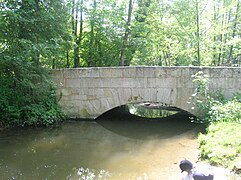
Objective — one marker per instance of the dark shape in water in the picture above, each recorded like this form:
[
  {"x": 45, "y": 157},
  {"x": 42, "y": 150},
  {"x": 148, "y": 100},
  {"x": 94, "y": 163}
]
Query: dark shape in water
[{"x": 123, "y": 123}]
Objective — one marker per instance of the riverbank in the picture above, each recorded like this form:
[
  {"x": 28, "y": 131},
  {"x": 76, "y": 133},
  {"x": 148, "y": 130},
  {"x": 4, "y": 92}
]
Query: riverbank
[
  {"x": 221, "y": 146},
  {"x": 190, "y": 149}
]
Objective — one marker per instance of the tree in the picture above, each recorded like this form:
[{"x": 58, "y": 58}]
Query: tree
[
  {"x": 127, "y": 33},
  {"x": 37, "y": 29},
  {"x": 223, "y": 32},
  {"x": 101, "y": 36},
  {"x": 183, "y": 32},
  {"x": 234, "y": 30},
  {"x": 77, "y": 28},
  {"x": 198, "y": 32},
  {"x": 32, "y": 32}
]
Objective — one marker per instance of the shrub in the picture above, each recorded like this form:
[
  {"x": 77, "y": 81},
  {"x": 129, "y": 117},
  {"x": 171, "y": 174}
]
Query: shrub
[
  {"x": 203, "y": 99},
  {"x": 213, "y": 106},
  {"x": 227, "y": 112},
  {"x": 27, "y": 96}
]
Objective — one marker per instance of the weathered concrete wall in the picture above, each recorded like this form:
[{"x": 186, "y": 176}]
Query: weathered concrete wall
[{"x": 89, "y": 92}]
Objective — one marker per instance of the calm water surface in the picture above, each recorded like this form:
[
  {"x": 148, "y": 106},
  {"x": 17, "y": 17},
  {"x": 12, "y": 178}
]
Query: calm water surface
[{"x": 126, "y": 148}]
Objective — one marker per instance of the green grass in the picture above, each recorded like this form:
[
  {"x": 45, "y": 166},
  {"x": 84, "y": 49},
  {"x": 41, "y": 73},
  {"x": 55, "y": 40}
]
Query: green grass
[{"x": 221, "y": 145}]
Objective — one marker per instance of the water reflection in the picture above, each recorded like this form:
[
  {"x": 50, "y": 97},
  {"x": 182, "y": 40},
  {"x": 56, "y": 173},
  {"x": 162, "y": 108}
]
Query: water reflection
[
  {"x": 126, "y": 124},
  {"x": 151, "y": 110},
  {"x": 127, "y": 149}
]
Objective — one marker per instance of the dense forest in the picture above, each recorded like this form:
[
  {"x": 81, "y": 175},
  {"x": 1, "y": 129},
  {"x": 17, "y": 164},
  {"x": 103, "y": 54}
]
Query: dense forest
[
  {"x": 36, "y": 35},
  {"x": 84, "y": 33}
]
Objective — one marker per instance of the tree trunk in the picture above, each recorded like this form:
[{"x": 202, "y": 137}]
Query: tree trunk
[
  {"x": 67, "y": 58},
  {"x": 79, "y": 9},
  {"x": 76, "y": 48},
  {"x": 127, "y": 32},
  {"x": 165, "y": 58},
  {"x": 198, "y": 33},
  {"x": 81, "y": 22},
  {"x": 92, "y": 36},
  {"x": 53, "y": 63},
  {"x": 221, "y": 41},
  {"x": 214, "y": 37},
  {"x": 234, "y": 31},
  {"x": 72, "y": 16}
]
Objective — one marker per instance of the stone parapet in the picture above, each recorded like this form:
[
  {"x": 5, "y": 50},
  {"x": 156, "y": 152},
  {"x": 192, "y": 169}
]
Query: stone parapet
[{"x": 89, "y": 92}]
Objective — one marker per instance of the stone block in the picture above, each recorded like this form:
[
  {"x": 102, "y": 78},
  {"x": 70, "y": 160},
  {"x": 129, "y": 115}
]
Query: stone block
[
  {"x": 88, "y": 72},
  {"x": 111, "y": 72},
  {"x": 221, "y": 73},
  {"x": 237, "y": 73},
  {"x": 88, "y": 92},
  {"x": 185, "y": 82},
  {"x": 149, "y": 72},
  {"x": 73, "y": 83},
  {"x": 139, "y": 73},
  {"x": 124, "y": 94},
  {"x": 149, "y": 82},
  {"x": 128, "y": 72},
  {"x": 167, "y": 95},
  {"x": 166, "y": 82}
]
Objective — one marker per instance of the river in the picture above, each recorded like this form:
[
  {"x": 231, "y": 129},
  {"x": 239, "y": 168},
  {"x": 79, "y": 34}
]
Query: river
[{"x": 115, "y": 146}]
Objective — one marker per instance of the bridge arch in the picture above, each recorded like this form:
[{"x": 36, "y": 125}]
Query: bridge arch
[{"x": 90, "y": 92}]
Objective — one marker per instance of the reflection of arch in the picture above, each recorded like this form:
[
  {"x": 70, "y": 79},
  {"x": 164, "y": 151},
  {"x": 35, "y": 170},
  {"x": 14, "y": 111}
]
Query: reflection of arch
[
  {"x": 148, "y": 106},
  {"x": 152, "y": 110},
  {"x": 121, "y": 122}
]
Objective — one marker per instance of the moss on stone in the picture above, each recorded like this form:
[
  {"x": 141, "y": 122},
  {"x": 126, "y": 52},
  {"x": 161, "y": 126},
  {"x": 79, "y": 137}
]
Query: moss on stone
[{"x": 84, "y": 113}]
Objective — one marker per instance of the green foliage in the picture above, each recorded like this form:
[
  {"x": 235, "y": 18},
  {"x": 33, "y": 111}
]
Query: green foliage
[
  {"x": 201, "y": 80},
  {"x": 214, "y": 107},
  {"x": 149, "y": 113},
  {"x": 32, "y": 32},
  {"x": 162, "y": 33},
  {"x": 202, "y": 97},
  {"x": 227, "y": 112},
  {"x": 221, "y": 145},
  {"x": 36, "y": 31},
  {"x": 186, "y": 32},
  {"x": 102, "y": 36},
  {"x": 27, "y": 97},
  {"x": 238, "y": 96}
]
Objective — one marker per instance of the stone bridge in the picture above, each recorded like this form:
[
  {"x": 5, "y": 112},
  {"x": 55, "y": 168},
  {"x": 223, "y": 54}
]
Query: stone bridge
[{"x": 89, "y": 92}]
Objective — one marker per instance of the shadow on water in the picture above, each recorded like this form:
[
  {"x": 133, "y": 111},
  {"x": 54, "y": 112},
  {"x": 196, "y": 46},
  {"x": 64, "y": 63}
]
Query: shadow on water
[
  {"x": 125, "y": 145},
  {"x": 126, "y": 124}
]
